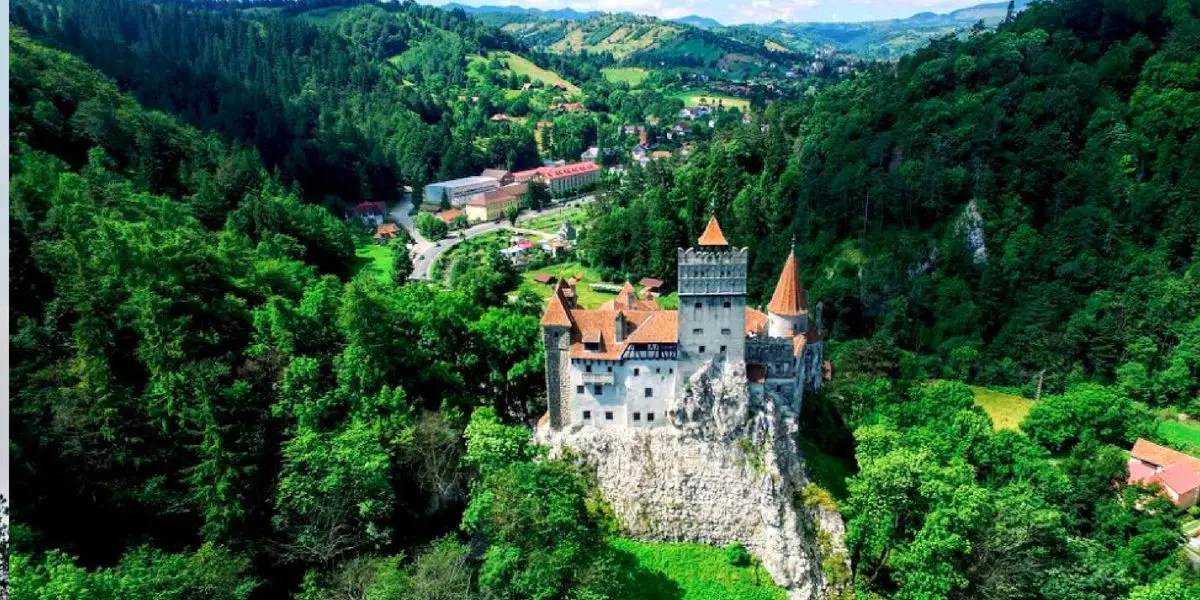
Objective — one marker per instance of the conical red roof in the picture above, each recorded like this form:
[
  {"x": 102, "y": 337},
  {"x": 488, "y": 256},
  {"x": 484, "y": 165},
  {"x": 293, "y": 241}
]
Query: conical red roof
[
  {"x": 556, "y": 310},
  {"x": 712, "y": 235},
  {"x": 788, "y": 300}
]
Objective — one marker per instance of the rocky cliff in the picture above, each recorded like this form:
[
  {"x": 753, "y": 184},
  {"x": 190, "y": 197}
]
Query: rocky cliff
[{"x": 727, "y": 469}]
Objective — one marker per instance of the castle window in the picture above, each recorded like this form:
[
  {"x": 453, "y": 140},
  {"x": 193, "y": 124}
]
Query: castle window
[
  {"x": 649, "y": 392},
  {"x": 671, "y": 370},
  {"x": 636, "y": 371},
  {"x": 700, "y": 350},
  {"x": 588, "y": 368},
  {"x": 696, "y": 310},
  {"x": 579, "y": 389},
  {"x": 722, "y": 349},
  {"x": 610, "y": 369},
  {"x": 697, "y": 332},
  {"x": 649, "y": 416},
  {"x": 726, "y": 305},
  {"x": 608, "y": 415},
  {"x": 597, "y": 390},
  {"x": 637, "y": 416},
  {"x": 587, "y": 415},
  {"x": 726, "y": 331},
  {"x": 658, "y": 369}
]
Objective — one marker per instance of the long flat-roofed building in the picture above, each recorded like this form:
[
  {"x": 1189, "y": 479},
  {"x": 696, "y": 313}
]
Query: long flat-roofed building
[{"x": 458, "y": 191}]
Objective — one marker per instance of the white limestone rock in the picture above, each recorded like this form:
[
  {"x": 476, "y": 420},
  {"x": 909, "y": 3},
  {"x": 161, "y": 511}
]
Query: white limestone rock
[{"x": 726, "y": 469}]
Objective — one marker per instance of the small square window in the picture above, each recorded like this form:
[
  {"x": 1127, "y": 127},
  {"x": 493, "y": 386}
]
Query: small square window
[
  {"x": 726, "y": 305},
  {"x": 637, "y": 416},
  {"x": 722, "y": 349},
  {"x": 649, "y": 392},
  {"x": 610, "y": 369},
  {"x": 587, "y": 415},
  {"x": 649, "y": 416},
  {"x": 671, "y": 371},
  {"x": 700, "y": 350},
  {"x": 658, "y": 369},
  {"x": 588, "y": 368},
  {"x": 608, "y": 415},
  {"x": 697, "y": 332},
  {"x": 726, "y": 331},
  {"x": 597, "y": 390},
  {"x": 579, "y": 389},
  {"x": 636, "y": 371}
]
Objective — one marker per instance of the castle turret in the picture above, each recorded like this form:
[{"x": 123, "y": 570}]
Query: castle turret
[
  {"x": 556, "y": 334},
  {"x": 787, "y": 314},
  {"x": 712, "y": 301}
]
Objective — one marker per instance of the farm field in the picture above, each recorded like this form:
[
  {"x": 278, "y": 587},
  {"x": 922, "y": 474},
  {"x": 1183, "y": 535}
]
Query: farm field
[
  {"x": 1180, "y": 434},
  {"x": 1006, "y": 410},
  {"x": 550, "y": 221},
  {"x": 634, "y": 76},
  {"x": 694, "y": 97},
  {"x": 695, "y": 572}
]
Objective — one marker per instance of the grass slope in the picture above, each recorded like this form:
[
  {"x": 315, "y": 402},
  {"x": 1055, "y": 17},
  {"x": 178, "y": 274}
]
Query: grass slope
[
  {"x": 1006, "y": 410},
  {"x": 522, "y": 66},
  {"x": 694, "y": 98},
  {"x": 634, "y": 76},
  {"x": 375, "y": 260},
  {"x": 1182, "y": 435},
  {"x": 696, "y": 572},
  {"x": 588, "y": 298}
]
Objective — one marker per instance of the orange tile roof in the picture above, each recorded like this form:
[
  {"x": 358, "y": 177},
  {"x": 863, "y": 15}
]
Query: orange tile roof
[
  {"x": 499, "y": 195},
  {"x": 712, "y": 235},
  {"x": 387, "y": 229},
  {"x": 448, "y": 215},
  {"x": 756, "y": 321},
  {"x": 1147, "y": 451},
  {"x": 798, "y": 342},
  {"x": 1180, "y": 478},
  {"x": 627, "y": 296},
  {"x": 556, "y": 310},
  {"x": 788, "y": 299},
  {"x": 662, "y": 327}
]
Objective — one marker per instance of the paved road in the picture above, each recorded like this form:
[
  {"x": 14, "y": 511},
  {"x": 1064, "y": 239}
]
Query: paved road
[{"x": 425, "y": 253}]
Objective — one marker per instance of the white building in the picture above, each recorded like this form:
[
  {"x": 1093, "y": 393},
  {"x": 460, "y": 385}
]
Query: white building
[
  {"x": 458, "y": 191},
  {"x": 621, "y": 364}
]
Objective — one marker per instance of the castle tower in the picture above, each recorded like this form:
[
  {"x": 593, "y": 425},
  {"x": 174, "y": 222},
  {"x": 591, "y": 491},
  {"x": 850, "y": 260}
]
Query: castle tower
[
  {"x": 556, "y": 334},
  {"x": 787, "y": 314},
  {"x": 712, "y": 301}
]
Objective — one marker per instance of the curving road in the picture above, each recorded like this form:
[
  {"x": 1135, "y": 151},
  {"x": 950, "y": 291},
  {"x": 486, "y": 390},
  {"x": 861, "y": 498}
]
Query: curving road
[{"x": 425, "y": 253}]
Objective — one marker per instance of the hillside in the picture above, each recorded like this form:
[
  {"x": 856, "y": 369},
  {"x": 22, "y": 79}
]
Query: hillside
[{"x": 888, "y": 39}]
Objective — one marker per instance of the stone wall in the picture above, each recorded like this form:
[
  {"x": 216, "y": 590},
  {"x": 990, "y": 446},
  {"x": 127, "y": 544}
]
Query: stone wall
[{"x": 727, "y": 469}]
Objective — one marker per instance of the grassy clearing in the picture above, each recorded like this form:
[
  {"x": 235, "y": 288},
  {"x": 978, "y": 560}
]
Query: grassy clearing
[
  {"x": 322, "y": 16},
  {"x": 634, "y": 76},
  {"x": 1006, "y": 410},
  {"x": 695, "y": 572},
  {"x": 375, "y": 260},
  {"x": 1183, "y": 435},
  {"x": 694, "y": 98},
  {"x": 522, "y": 66},
  {"x": 550, "y": 221},
  {"x": 827, "y": 470},
  {"x": 588, "y": 298}
]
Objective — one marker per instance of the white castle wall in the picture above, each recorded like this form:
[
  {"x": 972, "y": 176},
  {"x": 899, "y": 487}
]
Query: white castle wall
[{"x": 622, "y": 391}]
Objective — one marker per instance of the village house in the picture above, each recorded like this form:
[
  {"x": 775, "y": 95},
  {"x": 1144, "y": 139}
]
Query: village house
[
  {"x": 386, "y": 232},
  {"x": 1177, "y": 474},
  {"x": 620, "y": 365},
  {"x": 504, "y": 176},
  {"x": 370, "y": 213}
]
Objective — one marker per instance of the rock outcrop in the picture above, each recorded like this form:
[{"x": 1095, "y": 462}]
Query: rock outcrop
[{"x": 727, "y": 469}]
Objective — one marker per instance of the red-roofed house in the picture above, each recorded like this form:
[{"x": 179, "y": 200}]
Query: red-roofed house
[
  {"x": 1178, "y": 474},
  {"x": 446, "y": 216}
]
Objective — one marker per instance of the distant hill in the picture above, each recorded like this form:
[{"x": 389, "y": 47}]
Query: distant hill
[
  {"x": 698, "y": 21},
  {"x": 888, "y": 38},
  {"x": 563, "y": 14}
]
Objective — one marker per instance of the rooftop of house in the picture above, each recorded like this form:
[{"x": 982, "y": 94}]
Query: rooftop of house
[
  {"x": 496, "y": 174},
  {"x": 498, "y": 195},
  {"x": 1161, "y": 456},
  {"x": 446, "y": 216},
  {"x": 586, "y": 166}
]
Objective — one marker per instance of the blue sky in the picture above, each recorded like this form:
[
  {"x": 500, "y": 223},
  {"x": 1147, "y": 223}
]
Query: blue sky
[{"x": 749, "y": 11}]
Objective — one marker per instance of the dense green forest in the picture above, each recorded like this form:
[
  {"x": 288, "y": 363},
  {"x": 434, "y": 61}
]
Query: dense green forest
[{"x": 207, "y": 402}]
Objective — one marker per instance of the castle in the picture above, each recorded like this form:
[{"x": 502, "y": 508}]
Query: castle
[{"x": 620, "y": 365}]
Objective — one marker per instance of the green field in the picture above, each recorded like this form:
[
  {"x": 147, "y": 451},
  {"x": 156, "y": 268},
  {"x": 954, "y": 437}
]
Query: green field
[
  {"x": 1180, "y": 435},
  {"x": 1006, "y": 410},
  {"x": 634, "y": 76},
  {"x": 322, "y": 16},
  {"x": 694, "y": 572},
  {"x": 522, "y": 66},
  {"x": 375, "y": 260},
  {"x": 552, "y": 220},
  {"x": 693, "y": 98}
]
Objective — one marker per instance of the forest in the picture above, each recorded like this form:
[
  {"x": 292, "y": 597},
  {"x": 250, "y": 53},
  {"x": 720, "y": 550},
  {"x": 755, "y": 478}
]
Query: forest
[{"x": 208, "y": 402}]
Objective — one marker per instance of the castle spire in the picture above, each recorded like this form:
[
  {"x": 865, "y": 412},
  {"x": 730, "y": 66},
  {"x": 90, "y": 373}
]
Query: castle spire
[
  {"x": 556, "y": 314},
  {"x": 788, "y": 299},
  {"x": 712, "y": 235}
]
